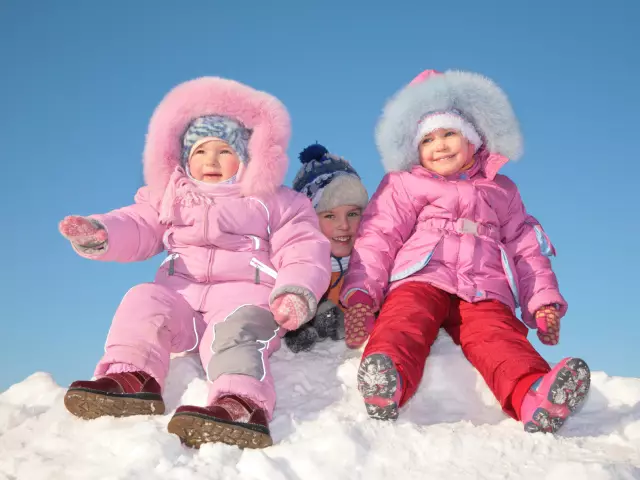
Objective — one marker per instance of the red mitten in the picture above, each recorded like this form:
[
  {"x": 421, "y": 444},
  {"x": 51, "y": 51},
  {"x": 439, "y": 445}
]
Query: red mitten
[
  {"x": 358, "y": 319},
  {"x": 548, "y": 323},
  {"x": 290, "y": 310},
  {"x": 83, "y": 232}
]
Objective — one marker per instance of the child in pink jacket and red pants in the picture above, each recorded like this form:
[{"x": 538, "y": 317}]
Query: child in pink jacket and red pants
[
  {"x": 244, "y": 265},
  {"x": 447, "y": 242}
]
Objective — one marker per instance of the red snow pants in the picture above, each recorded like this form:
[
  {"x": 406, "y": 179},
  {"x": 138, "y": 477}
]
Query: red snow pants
[{"x": 491, "y": 338}]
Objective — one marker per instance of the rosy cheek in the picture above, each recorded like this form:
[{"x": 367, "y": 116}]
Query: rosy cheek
[
  {"x": 325, "y": 228},
  {"x": 425, "y": 156},
  {"x": 231, "y": 167}
]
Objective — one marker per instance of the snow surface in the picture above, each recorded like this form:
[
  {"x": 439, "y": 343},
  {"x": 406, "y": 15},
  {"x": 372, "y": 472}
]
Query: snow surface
[{"x": 452, "y": 429}]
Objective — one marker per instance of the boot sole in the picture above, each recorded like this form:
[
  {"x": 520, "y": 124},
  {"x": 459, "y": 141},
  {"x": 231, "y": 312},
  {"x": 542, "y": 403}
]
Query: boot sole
[
  {"x": 377, "y": 383},
  {"x": 570, "y": 388},
  {"x": 194, "y": 430},
  {"x": 89, "y": 405}
]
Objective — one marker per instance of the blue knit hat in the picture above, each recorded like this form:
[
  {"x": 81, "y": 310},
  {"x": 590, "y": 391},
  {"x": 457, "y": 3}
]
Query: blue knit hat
[
  {"x": 328, "y": 180},
  {"x": 225, "y": 128}
]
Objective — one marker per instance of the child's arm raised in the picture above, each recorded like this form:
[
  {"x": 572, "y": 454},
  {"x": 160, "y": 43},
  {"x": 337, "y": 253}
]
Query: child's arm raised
[
  {"x": 301, "y": 255},
  {"x": 530, "y": 248},
  {"x": 386, "y": 225},
  {"x": 128, "y": 234}
]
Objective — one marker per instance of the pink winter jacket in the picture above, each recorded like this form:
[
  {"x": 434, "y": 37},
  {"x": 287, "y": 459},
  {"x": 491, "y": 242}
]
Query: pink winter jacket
[
  {"x": 250, "y": 231},
  {"x": 470, "y": 236}
]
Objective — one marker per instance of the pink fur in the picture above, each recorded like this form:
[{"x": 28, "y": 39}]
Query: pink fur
[{"x": 259, "y": 111}]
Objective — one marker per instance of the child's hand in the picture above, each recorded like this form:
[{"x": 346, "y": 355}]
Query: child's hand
[
  {"x": 548, "y": 322},
  {"x": 82, "y": 231},
  {"x": 358, "y": 319},
  {"x": 290, "y": 310}
]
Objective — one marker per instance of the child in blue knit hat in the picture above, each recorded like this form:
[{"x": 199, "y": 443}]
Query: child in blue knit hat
[{"x": 339, "y": 197}]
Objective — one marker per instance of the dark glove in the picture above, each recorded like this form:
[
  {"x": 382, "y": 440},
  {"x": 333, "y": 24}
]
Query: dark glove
[{"x": 328, "y": 323}]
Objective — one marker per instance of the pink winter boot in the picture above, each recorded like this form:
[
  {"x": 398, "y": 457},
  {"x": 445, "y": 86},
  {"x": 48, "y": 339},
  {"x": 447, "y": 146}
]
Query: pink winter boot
[{"x": 556, "y": 396}]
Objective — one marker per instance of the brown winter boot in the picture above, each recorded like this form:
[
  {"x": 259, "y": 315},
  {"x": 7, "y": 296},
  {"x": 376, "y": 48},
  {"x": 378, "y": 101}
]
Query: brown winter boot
[
  {"x": 231, "y": 419},
  {"x": 115, "y": 394}
]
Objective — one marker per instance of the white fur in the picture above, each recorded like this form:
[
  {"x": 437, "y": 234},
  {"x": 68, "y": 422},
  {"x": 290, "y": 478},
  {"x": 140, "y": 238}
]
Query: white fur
[{"x": 480, "y": 100}]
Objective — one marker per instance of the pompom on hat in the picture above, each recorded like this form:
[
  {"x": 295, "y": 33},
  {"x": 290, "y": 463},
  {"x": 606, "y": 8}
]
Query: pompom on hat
[{"x": 328, "y": 180}]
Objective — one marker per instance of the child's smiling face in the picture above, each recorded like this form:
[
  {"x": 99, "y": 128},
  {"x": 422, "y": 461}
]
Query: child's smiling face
[
  {"x": 445, "y": 151},
  {"x": 340, "y": 226}
]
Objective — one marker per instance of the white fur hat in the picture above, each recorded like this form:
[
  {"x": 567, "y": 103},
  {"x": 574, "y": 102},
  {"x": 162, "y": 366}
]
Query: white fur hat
[{"x": 469, "y": 96}]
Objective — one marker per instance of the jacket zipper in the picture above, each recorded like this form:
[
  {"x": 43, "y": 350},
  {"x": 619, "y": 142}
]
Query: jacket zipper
[
  {"x": 171, "y": 258},
  {"x": 206, "y": 232}
]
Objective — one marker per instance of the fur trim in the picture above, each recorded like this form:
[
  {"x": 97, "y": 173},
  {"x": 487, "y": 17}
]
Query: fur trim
[
  {"x": 479, "y": 99},
  {"x": 258, "y": 111},
  {"x": 344, "y": 189}
]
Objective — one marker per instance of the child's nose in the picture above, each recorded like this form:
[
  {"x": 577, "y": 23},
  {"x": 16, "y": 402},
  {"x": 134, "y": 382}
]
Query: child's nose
[{"x": 441, "y": 144}]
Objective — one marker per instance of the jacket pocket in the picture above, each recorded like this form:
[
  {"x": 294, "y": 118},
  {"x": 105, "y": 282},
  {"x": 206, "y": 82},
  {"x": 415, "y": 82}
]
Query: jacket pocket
[
  {"x": 261, "y": 267},
  {"x": 416, "y": 267},
  {"x": 510, "y": 273},
  {"x": 170, "y": 259}
]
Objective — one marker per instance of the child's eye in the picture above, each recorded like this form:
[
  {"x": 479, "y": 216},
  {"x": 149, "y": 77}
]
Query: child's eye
[
  {"x": 450, "y": 133},
  {"x": 330, "y": 216},
  {"x": 354, "y": 214},
  {"x": 225, "y": 151},
  {"x": 426, "y": 140}
]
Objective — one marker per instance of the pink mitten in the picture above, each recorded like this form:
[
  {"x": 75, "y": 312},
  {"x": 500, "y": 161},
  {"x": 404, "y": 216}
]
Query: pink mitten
[
  {"x": 358, "y": 319},
  {"x": 83, "y": 232},
  {"x": 290, "y": 310},
  {"x": 548, "y": 322}
]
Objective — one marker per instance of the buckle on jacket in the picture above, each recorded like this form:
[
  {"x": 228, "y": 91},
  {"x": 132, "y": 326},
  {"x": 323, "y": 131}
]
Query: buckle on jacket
[{"x": 468, "y": 226}]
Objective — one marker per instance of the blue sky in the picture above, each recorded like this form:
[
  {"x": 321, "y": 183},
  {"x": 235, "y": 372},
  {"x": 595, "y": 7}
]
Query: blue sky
[{"x": 80, "y": 80}]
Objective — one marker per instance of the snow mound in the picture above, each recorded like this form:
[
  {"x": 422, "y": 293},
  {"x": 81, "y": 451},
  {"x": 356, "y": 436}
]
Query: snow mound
[{"x": 452, "y": 429}]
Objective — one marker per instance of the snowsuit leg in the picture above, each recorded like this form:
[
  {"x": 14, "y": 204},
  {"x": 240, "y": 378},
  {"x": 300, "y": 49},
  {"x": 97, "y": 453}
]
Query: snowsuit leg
[
  {"x": 235, "y": 354},
  {"x": 406, "y": 328},
  {"x": 495, "y": 342},
  {"x": 151, "y": 322}
]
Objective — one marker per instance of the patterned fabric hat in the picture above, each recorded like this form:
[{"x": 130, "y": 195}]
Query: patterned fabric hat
[
  {"x": 225, "y": 128},
  {"x": 328, "y": 180}
]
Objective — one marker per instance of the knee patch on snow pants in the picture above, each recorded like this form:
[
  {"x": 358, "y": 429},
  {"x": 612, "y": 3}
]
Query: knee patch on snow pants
[{"x": 240, "y": 343}]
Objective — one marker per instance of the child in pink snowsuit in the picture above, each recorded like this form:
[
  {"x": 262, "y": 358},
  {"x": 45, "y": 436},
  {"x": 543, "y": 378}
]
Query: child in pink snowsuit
[
  {"x": 447, "y": 242},
  {"x": 246, "y": 263}
]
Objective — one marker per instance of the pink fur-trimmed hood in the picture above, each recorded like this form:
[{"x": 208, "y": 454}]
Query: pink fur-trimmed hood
[{"x": 261, "y": 112}]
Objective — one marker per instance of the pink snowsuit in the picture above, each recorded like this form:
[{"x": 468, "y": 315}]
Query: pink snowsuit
[{"x": 232, "y": 249}]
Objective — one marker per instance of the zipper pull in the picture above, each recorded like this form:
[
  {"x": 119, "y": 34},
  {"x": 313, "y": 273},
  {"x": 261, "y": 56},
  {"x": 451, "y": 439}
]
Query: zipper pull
[
  {"x": 262, "y": 267},
  {"x": 257, "y": 277},
  {"x": 171, "y": 266}
]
